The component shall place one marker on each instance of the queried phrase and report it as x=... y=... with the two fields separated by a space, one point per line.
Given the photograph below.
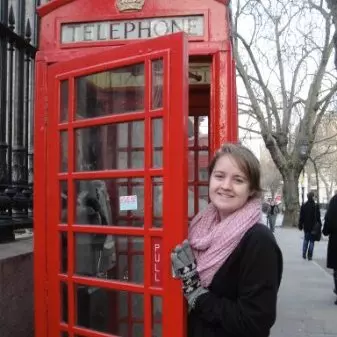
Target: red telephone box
x=132 y=97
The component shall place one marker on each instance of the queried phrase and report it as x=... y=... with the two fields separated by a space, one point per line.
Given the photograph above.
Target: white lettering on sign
x=156 y=262
x=131 y=29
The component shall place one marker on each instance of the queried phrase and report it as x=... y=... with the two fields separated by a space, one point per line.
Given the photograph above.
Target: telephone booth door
x=116 y=190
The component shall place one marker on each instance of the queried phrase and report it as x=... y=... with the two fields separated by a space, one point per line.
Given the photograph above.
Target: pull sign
x=157 y=277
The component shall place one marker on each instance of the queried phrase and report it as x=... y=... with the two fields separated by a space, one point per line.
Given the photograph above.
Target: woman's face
x=228 y=187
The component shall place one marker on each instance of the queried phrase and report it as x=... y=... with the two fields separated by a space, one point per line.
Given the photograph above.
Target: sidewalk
x=306 y=301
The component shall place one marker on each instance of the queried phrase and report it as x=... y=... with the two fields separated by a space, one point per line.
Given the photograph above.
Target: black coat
x=243 y=292
x=330 y=228
x=309 y=214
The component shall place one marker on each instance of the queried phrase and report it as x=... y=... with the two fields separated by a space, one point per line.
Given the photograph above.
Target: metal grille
x=18 y=45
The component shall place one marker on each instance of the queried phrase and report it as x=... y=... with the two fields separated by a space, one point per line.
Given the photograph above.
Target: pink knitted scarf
x=213 y=240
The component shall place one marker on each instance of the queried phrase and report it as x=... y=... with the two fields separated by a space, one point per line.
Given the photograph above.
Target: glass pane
x=110 y=257
x=157 y=199
x=64 y=302
x=203 y=165
x=203 y=197
x=64 y=252
x=191 y=130
x=203 y=193
x=64 y=334
x=109 y=147
x=64 y=103
x=137 y=267
x=137 y=306
x=190 y=193
x=157 y=139
x=110 y=92
x=119 y=313
x=191 y=165
x=63 y=202
x=64 y=151
x=157 y=309
x=117 y=202
x=203 y=131
x=138 y=330
x=157 y=84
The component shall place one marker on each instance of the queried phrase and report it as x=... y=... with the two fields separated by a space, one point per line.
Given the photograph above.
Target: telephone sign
x=131 y=29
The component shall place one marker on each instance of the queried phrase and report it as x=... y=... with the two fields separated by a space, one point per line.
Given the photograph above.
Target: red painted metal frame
x=222 y=128
x=40 y=217
x=173 y=49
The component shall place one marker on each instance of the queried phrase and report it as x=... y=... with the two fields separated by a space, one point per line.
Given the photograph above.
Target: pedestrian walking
x=330 y=229
x=272 y=212
x=231 y=265
x=310 y=222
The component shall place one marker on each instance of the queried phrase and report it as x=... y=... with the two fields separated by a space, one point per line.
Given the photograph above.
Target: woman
x=231 y=265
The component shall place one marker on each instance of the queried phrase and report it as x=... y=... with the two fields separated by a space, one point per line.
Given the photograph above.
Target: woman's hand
x=184 y=267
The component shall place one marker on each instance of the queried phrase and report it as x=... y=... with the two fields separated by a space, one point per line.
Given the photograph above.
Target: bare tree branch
x=250 y=130
x=283 y=61
x=260 y=78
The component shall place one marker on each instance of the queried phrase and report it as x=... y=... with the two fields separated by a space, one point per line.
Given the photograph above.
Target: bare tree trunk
x=290 y=197
x=328 y=185
x=317 y=179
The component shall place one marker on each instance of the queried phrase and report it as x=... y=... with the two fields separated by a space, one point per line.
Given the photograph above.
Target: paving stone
x=306 y=301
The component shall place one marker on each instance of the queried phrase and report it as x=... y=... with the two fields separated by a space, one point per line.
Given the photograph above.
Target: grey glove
x=184 y=267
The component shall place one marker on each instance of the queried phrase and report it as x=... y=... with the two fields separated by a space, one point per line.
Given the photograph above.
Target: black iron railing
x=18 y=40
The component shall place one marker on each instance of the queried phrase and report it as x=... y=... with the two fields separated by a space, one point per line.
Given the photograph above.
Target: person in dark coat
x=231 y=266
x=330 y=229
x=272 y=212
x=309 y=216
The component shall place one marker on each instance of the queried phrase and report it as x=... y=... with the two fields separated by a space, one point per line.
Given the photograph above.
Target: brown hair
x=247 y=162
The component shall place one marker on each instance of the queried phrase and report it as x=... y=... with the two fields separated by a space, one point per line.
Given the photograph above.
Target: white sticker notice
x=128 y=203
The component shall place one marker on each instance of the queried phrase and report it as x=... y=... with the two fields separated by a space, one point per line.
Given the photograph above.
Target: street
x=306 y=301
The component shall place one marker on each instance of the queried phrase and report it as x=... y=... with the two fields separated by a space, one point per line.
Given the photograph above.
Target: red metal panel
x=40 y=241
x=52 y=198
x=175 y=162
x=173 y=51
x=231 y=104
x=223 y=100
x=234 y=125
